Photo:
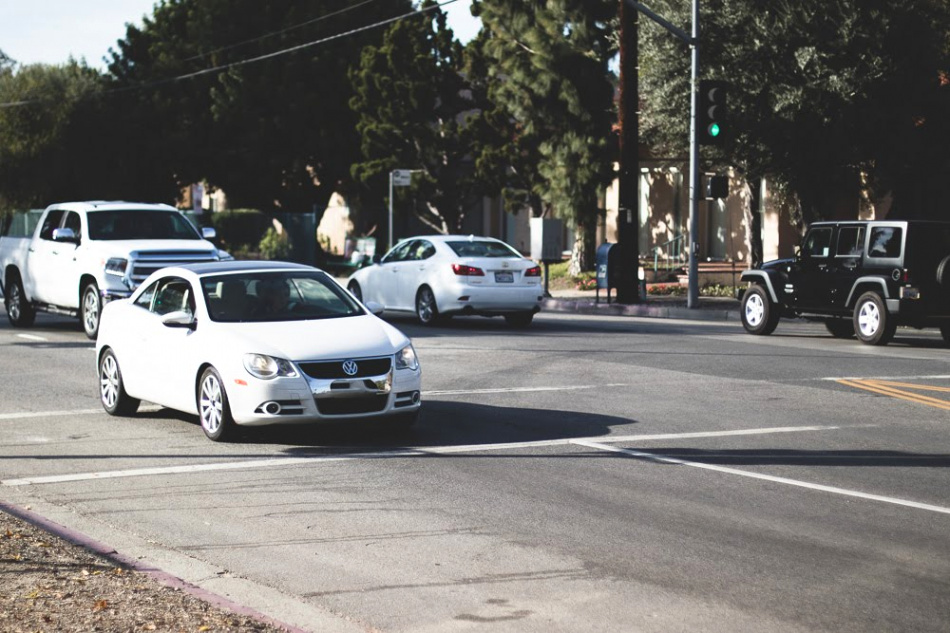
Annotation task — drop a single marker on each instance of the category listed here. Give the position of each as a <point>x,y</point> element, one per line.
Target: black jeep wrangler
<point>860,278</point>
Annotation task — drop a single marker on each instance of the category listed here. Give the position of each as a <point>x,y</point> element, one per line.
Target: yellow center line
<point>908,385</point>
<point>874,387</point>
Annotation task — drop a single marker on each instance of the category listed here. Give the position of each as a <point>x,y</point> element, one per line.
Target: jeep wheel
<point>759,314</point>
<point>943,272</point>
<point>840,328</point>
<point>872,323</point>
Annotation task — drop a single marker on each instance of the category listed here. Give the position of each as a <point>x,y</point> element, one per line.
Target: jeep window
<point>135,224</point>
<point>818,243</point>
<point>885,241</point>
<point>850,241</point>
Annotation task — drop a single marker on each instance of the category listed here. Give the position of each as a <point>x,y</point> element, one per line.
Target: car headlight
<point>116,266</point>
<point>406,358</point>
<point>266,367</point>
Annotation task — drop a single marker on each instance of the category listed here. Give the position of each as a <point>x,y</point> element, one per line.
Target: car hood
<point>345,337</point>
<point>122,248</point>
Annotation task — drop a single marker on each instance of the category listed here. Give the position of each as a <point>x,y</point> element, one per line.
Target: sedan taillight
<point>467,271</point>
<point>533,272</point>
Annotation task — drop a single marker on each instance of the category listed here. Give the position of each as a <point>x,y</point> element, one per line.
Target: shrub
<point>274,245</point>
<point>240,230</point>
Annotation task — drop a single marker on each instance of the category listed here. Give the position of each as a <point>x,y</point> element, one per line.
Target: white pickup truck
<point>84,254</point>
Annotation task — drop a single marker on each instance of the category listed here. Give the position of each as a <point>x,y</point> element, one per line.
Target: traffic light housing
<point>717,187</point>
<point>712,110</point>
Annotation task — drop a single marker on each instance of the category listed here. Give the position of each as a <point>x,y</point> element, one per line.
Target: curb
<point>164,578</point>
<point>654,311</point>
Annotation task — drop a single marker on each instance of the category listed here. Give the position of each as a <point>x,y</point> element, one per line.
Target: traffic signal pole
<point>693,41</point>
<point>628,207</point>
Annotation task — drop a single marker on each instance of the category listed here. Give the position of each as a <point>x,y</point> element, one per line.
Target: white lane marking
<point>56,414</point>
<point>465,392</point>
<point>32,337</point>
<point>781,480</point>
<point>409,452</point>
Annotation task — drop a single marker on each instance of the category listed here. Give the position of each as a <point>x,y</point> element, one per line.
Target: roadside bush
<point>274,245</point>
<point>240,230</point>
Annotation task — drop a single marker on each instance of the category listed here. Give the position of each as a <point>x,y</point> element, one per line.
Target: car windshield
<point>136,224</point>
<point>482,248</point>
<point>276,296</point>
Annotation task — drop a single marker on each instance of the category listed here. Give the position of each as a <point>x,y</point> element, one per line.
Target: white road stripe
<point>410,452</point>
<point>58,414</point>
<point>781,480</point>
<point>32,337</point>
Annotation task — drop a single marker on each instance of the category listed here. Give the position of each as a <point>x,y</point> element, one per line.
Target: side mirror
<point>208,232</point>
<point>179,318</point>
<point>65,235</point>
<point>374,307</point>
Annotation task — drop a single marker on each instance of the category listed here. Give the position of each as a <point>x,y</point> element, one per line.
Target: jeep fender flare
<point>762,277</point>
<point>866,281</point>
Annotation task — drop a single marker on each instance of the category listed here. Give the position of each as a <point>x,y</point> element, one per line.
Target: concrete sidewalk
<point>655,306</point>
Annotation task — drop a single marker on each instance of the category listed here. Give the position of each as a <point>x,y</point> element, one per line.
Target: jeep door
<point>811,274</point>
<point>846,265</point>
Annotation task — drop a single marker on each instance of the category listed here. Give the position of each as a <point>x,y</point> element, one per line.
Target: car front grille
<point>366,367</point>
<point>144,264</point>
<point>349,406</point>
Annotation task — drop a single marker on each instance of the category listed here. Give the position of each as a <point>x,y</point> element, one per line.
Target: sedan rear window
<point>276,296</point>
<point>482,248</point>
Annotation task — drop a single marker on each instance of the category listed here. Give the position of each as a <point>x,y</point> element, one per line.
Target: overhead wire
<point>244,62</point>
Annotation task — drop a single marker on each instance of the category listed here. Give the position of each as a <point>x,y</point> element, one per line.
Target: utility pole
<point>628,212</point>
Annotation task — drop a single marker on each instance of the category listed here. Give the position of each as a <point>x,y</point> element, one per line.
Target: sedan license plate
<point>504,278</point>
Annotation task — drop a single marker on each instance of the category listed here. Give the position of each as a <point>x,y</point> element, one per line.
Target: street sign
<point>402,178</point>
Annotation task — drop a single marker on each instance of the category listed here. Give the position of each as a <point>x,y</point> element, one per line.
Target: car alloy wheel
<point>754,310</point>
<point>759,314</point>
<point>91,309</point>
<point>872,324</point>
<point>19,312</point>
<point>213,407</point>
<point>426,309</point>
<point>111,388</point>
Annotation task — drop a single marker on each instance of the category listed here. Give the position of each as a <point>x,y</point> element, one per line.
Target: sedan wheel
<point>872,323</point>
<point>355,290</point>
<point>213,407</point>
<point>111,388</point>
<point>426,310</point>
<point>91,310</point>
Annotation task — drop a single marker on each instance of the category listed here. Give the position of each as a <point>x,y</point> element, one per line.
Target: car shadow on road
<point>441,423</point>
<point>793,457</point>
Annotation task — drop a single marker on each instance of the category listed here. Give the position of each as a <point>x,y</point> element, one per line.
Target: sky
<point>49,31</point>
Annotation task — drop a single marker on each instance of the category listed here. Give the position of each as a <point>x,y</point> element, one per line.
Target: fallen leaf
<point>100,605</point>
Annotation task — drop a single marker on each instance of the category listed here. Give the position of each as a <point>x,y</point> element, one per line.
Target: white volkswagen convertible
<point>254,343</point>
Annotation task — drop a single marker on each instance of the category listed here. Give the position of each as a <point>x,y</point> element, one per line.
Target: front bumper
<point>306,400</point>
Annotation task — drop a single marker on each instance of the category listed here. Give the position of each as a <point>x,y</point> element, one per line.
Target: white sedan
<point>254,343</point>
<point>441,275</point>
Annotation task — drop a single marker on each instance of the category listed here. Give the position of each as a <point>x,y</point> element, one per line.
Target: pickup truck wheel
<point>19,311</point>
<point>90,310</point>
<point>111,388</point>
<point>759,314</point>
<point>840,328</point>
<point>214,408</point>
<point>872,323</point>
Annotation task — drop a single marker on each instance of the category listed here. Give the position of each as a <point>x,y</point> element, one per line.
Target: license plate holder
<point>504,278</point>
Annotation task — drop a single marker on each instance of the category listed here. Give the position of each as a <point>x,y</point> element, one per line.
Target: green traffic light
<point>714,130</point>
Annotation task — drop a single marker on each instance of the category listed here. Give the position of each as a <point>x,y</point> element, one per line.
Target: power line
<point>244,62</point>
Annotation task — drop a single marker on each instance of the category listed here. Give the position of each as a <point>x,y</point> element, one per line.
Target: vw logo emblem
<point>350,368</point>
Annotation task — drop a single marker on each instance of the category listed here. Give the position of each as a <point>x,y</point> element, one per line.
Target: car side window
<point>73,222</point>
<point>424,249</point>
<point>885,241</point>
<point>145,299</point>
<point>818,243</point>
<point>399,253</point>
<point>174,294</point>
<point>50,222</point>
<point>850,241</point>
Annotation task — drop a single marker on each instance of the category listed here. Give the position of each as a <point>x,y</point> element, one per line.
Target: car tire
<point>943,273</point>
<point>112,393</point>
<point>90,310</point>
<point>355,290</point>
<point>214,408</point>
<point>872,323</point>
<point>840,328</point>
<point>20,312</point>
<point>759,315</point>
<point>519,319</point>
<point>426,309</point>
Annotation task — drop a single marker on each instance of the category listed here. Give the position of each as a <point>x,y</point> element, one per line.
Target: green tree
<point>827,98</point>
<point>41,154</point>
<point>550,74</point>
<point>414,108</point>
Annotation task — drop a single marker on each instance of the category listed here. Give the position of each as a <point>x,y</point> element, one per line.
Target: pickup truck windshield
<point>133,224</point>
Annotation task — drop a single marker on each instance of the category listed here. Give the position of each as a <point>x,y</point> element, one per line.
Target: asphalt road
<point>585,474</point>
